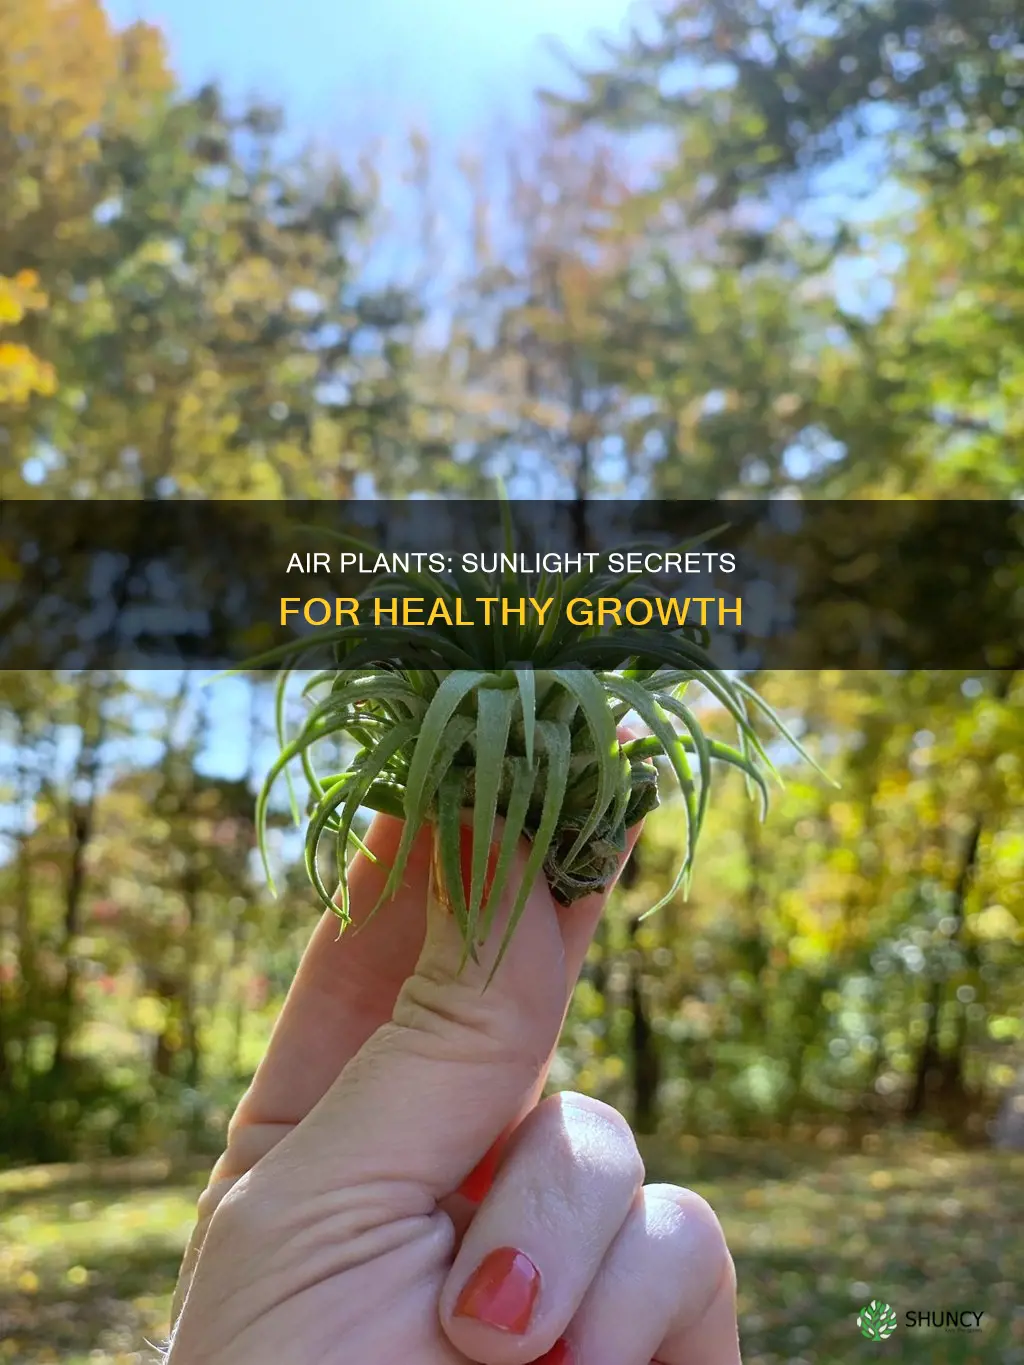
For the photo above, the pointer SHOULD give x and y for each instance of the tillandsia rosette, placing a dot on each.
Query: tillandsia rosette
(465, 723)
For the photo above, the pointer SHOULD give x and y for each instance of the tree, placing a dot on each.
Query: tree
(206, 316)
(541, 320)
(760, 97)
(22, 373)
(780, 123)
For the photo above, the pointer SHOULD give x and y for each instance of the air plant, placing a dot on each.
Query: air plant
(517, 721)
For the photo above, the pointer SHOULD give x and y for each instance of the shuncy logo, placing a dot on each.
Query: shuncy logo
(966, 1319)
(877, 1321)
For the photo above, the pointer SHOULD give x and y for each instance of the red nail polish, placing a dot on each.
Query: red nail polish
(501, 1291)
(477, 1184)
(466, 865)
(560, 1354)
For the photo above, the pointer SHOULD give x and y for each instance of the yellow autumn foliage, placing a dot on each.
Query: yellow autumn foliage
(22, 373)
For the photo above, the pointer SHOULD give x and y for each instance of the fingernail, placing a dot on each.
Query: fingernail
(501, 1291)
(466, 865)
(560, 1354)
(479, 1181)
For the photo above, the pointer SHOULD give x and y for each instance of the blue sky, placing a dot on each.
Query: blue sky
(378, 64)
(350, 71)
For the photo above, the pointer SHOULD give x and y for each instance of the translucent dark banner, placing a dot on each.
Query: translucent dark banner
(445, 583)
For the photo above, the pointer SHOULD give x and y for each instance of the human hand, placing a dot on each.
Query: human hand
(393, 1191)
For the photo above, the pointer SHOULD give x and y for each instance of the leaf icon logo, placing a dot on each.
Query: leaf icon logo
(877, 1321)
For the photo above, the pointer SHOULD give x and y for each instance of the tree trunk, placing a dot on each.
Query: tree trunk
(755, 946)
(64, 1014)
(1008, 1134)
(189, 1011)
(941, 1077)
(81, 816)
(936, 1075)
(643, 1045)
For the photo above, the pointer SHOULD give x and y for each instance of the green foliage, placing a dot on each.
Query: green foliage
(817, 289)
(805, 157)
(205, 317)
(867, 963)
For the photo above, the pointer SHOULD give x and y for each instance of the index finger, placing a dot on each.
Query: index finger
(345, 990)
(342, 993)
(338, 999)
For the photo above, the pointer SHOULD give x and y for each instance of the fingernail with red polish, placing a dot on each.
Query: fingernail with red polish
(560, 1354)
(479, 1181)
(501, 1292)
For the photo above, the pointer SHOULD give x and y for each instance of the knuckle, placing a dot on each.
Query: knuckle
(211, 1199)
(696, 1231)
(241, 1217)
(691, 1204)
(249, 1141)
(453, 1019)
(609, 1131)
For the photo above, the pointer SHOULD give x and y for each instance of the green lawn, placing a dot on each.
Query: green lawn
(88, 1256)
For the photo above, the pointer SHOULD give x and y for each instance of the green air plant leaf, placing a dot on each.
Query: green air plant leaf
(518, 723)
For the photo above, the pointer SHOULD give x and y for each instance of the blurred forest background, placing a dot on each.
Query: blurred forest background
(769, 247)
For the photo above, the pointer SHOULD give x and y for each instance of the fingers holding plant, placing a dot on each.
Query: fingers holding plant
(417, 1107)
(512, 797)
(572, 1261)
(338, 1245)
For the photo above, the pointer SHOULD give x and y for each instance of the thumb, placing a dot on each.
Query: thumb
(432, 1090)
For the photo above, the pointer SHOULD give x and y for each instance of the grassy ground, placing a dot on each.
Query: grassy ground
(88, 1256)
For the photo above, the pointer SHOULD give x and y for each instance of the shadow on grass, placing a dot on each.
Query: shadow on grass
(804, 1308)
(119, 1307)
(815, 1237)
(794, 1307)
(710, 1161)
(84, 1181)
